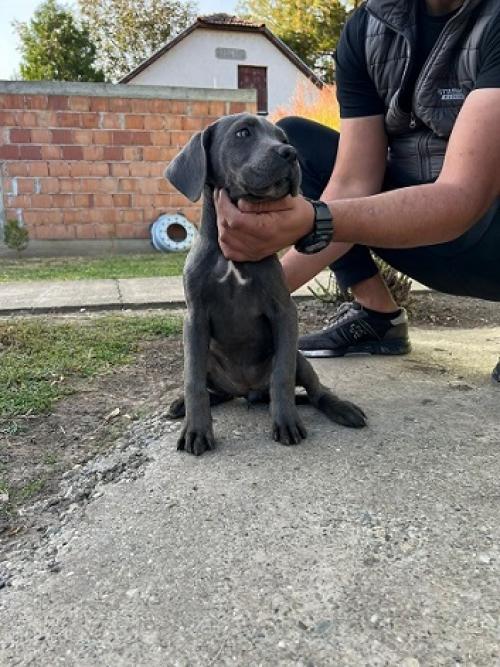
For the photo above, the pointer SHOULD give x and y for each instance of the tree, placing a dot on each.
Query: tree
(54, 47)
(311, 28)
(126, 32)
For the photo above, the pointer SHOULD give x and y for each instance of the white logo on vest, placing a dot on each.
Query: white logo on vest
(451, 94)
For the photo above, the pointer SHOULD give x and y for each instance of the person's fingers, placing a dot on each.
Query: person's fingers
(284, 204)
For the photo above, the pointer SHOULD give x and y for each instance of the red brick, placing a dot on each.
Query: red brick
(84, 201)
(72, 153)
(40, 119)
(81, 168)
(175, 122)
(72, 216)
(129, 185)
(20, 201)
(15, 168)
(55, 232)
(134, 122)
(51, 152)
(163, 106)
(49, 185)
(122, 200)
(38, 169)
(120, 104)
(163, 138)
(63, 136)
(58, 102)
(180, 139)
(70, 185)
(30, 153)
(113, 153)
(191, 124)
(132, 215)
(126, 138)
(140, 169)
(11, 101)
(69, 119)
(89, 120)
(237, 107)
(157, 169)
(7, 118)
(105, 231)
(25, 185)
(140, 106)
(178, 200)
(35, 102)
(40, 136)
(83, 137)
(102, 137)
(99, 103)
(178, 107)
(93, 152)
(103, 200)
(62, 201)
(132, 153)
(59, 168)
(199, 108)
(9, 152)
(20, 136)
(85, 231)
(42, 201)
(216, 109)
(79, 103)
(153, 122)
(119, 169)
(111, 121)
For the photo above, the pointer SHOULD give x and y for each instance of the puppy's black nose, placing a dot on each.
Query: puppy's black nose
(288, 153)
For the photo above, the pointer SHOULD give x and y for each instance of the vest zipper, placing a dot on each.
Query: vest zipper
(432, 56)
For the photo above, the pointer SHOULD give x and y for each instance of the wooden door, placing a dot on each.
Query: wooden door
(250, 76)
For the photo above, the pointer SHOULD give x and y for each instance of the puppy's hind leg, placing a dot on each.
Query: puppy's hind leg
(342, 412)
(177, 408)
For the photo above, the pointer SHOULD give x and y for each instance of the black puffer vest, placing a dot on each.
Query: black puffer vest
(418, 140)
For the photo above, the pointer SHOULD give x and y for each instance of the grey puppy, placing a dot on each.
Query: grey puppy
(240, 332)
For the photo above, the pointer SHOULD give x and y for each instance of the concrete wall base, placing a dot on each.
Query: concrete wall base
(80, 248)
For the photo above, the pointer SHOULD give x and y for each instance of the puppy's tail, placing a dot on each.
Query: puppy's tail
(342, 412)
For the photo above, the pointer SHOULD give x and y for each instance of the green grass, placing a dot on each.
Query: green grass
(80, 268)
(40, 360)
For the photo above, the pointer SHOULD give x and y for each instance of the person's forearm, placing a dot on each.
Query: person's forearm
(300, 269)
(407, 218)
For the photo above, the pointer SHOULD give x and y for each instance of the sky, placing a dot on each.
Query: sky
(22, 10)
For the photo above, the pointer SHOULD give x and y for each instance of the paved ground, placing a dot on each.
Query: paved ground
(373, 547)
(45, 296)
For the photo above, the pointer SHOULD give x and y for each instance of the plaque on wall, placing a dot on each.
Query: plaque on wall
(230, 54)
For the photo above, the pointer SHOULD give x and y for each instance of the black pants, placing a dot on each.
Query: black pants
(467, 266)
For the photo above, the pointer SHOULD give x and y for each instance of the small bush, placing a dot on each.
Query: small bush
(322, 107)
(16, 236)
(399, 285)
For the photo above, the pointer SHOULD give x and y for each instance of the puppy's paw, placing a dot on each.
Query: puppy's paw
(342, 412)
(176, 409)
(196, 440)
(288, 429)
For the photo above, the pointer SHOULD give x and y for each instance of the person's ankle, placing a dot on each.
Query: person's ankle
(374, 295)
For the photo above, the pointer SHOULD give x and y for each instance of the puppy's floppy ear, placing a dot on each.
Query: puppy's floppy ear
(188, 170)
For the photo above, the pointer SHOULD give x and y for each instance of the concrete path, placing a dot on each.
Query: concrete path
(377, 547)
(72, 295)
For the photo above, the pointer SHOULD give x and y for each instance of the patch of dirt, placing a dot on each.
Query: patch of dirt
(85, 424)
(425, 309)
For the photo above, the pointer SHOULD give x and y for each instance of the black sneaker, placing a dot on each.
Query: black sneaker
(496, 373)
(355, 330)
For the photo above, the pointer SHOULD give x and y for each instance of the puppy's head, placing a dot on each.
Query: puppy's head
(244, 154)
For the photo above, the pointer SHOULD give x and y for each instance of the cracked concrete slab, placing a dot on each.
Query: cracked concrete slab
(376, 547)
(56, 295)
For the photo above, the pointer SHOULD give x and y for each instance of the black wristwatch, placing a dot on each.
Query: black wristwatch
(322, 232)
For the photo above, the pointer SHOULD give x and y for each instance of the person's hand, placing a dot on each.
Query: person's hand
(252, 231)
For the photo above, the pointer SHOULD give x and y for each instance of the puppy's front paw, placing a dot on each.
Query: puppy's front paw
(195, 439)
(288, 429)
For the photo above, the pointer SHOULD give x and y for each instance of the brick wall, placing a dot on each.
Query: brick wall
(86, 161)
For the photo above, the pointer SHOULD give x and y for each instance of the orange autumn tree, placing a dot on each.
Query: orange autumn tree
(321, 107)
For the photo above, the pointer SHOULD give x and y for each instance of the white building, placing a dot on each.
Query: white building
(222, 51)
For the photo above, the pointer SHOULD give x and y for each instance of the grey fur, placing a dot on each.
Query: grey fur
(240, 332)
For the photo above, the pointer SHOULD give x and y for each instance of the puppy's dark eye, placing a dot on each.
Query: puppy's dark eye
(243, 132)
